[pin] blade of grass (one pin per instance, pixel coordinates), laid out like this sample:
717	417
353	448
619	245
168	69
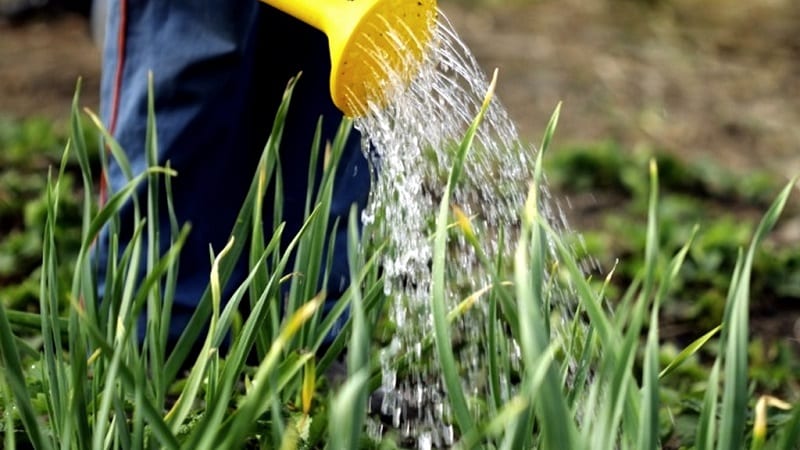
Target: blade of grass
9	440
550	130
439	308
558	428
257	244
734	397
707	423
536	379
650	425
760	414
789	434
15	377
170	284
341	422
122	435
508	413
644	422
687	352
496	339
138	433
155	346
32	321
358	351
649	420
49	308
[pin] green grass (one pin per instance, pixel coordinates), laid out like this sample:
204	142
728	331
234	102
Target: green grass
75	376
726	206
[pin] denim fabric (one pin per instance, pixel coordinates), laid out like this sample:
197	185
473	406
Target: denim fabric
220	69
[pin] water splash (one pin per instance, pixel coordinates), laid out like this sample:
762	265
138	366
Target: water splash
414	132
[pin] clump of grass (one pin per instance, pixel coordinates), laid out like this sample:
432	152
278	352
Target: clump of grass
89	382
619	404
728	207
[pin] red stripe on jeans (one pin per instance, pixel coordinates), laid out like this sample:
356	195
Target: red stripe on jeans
121	34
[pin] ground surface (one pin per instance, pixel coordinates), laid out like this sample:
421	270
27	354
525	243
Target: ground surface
720	81
40	63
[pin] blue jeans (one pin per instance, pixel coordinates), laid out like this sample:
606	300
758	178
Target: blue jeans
220	69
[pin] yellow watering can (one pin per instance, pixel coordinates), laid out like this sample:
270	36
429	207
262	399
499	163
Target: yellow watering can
368	40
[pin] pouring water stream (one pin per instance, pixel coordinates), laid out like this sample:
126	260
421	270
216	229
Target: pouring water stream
413	137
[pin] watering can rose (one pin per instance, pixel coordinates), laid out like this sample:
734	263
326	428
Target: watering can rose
373	44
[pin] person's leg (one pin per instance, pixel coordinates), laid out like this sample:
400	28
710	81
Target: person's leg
289	46
220	69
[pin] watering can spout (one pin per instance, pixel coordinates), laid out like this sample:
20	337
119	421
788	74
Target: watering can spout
370	41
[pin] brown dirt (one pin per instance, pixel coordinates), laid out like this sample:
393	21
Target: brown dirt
40	63
719	79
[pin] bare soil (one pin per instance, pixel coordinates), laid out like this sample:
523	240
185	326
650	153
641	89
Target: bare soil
40	64
717	79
